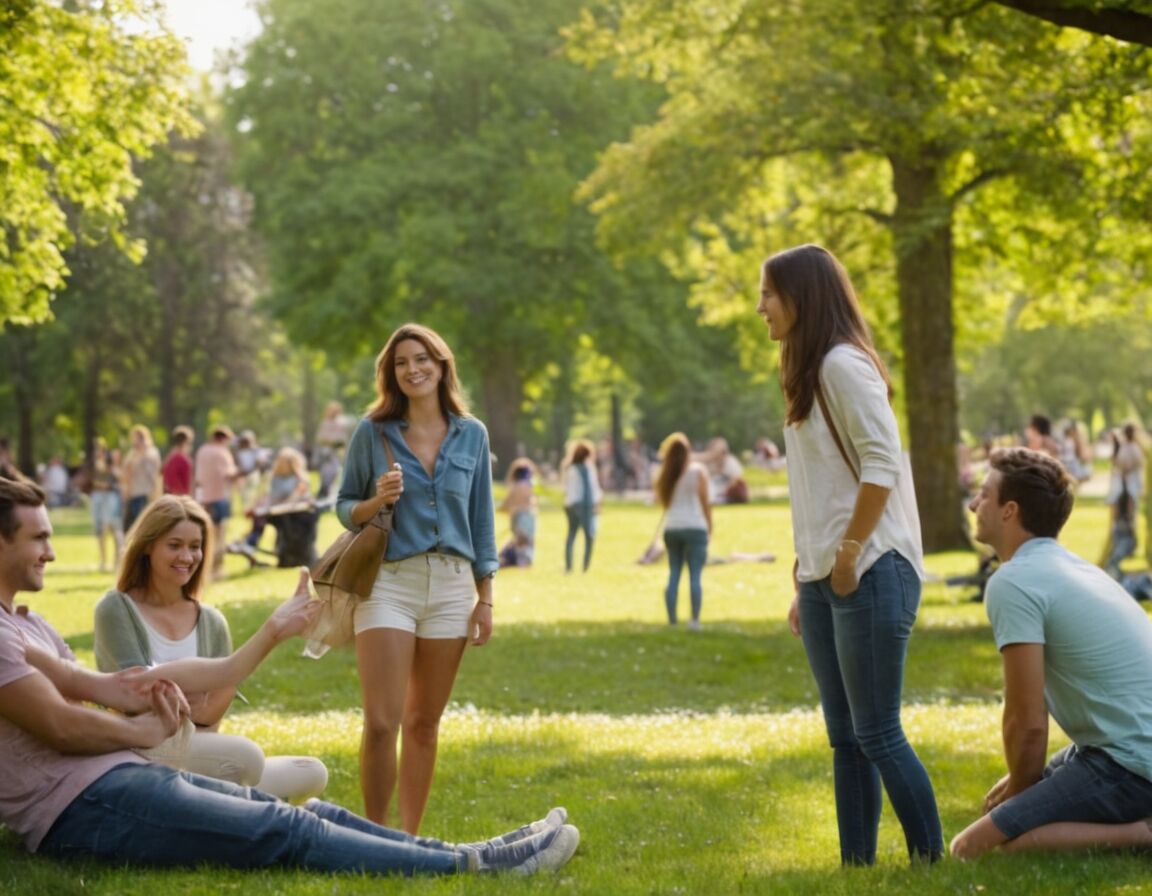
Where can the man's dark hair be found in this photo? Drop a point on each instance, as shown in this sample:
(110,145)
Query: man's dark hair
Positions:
(1039,485)
(16,493)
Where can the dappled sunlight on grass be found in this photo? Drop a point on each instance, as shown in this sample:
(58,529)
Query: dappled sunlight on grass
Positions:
(694,762)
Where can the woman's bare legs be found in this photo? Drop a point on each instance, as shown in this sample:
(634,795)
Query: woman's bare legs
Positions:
(384,657)
(433,672)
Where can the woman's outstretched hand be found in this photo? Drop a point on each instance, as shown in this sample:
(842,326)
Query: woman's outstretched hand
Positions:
(295,615)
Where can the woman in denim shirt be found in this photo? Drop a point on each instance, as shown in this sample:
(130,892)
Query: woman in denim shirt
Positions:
(434,591)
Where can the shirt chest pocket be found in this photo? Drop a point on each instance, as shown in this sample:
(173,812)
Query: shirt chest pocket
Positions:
(458,473)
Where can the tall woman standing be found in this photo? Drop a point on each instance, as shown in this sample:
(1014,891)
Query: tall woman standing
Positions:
(434,591)
(857,539)
(682,490)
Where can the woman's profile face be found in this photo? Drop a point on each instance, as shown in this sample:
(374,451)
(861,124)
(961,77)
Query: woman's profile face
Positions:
(777,315)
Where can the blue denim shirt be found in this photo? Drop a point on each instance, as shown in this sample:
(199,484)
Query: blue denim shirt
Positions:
(451,512)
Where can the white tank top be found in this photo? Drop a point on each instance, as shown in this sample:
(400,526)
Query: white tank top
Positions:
(685,510)
(164,650)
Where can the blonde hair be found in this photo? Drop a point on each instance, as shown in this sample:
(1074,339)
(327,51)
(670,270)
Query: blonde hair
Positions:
(290,462)
(157,520)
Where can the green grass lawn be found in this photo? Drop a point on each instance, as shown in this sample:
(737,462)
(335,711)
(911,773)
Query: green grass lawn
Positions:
(693,763)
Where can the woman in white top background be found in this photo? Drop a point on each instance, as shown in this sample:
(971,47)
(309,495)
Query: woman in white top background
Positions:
(582,497)
(858,552)
(682,490)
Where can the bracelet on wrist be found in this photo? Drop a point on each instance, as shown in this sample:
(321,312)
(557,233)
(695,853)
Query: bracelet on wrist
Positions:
(484,602)
(850,545)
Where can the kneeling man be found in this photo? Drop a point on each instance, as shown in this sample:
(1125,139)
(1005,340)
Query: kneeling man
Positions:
(1073,644)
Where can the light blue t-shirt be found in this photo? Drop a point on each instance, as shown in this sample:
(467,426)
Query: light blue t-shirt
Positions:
(1097,647)
(450,511)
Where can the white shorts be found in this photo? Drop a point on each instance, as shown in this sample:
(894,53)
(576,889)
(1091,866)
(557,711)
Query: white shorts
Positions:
(430,595)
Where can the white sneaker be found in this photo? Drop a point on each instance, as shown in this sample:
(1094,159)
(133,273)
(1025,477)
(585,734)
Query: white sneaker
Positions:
(693,625)
(545,851)
(557,846)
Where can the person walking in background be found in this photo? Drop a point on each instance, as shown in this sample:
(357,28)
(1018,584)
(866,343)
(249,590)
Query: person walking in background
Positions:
(859,559)
(582,497)
(176,473)
(682,490)
(140,479)
(520,505)
(154,616)
(433,594)
(105,502)
(1125,490)
(215,471)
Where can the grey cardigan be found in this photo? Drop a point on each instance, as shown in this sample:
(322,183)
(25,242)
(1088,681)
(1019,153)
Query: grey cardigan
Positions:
(120,639)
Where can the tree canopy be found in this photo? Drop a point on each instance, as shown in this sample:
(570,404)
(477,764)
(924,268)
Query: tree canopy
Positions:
(85,87)
(414,160)
(886,120)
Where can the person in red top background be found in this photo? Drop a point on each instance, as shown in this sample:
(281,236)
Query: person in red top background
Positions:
(177,469)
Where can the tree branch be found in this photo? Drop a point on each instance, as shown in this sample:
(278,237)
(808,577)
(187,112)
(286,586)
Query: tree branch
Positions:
(1122,24)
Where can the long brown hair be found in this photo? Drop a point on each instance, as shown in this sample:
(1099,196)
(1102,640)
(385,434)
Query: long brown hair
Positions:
(157,520)
(675,452)
(391,403)
(814,286)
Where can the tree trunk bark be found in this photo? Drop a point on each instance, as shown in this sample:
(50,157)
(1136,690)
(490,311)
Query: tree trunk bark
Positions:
(922,233)
(502,390)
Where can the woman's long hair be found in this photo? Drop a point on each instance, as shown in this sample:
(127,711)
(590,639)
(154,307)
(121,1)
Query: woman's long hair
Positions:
(814,286)
(157,520)
(391,403)
(580,451)
(675,452)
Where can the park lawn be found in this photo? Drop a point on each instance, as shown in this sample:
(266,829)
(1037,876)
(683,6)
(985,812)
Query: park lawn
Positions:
(693,763)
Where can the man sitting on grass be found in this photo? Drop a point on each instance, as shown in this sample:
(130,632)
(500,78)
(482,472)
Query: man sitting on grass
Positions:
(1075,644)
(72,786)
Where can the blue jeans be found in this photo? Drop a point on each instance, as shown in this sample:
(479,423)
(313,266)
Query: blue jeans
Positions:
(577,520)
(1081,785)
(856,647)
(149,814)
(685,546)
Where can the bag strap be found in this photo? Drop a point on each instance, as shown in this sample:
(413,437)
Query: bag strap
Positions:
(832,429)
(386,510)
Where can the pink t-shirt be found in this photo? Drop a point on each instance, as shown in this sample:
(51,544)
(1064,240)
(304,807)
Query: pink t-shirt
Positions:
(36,782)
(215,469)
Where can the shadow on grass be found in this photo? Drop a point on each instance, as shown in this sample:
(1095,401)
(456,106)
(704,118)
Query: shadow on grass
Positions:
(762,823)
(625,668)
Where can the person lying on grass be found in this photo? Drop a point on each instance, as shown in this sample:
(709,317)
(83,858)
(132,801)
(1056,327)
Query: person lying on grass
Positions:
(71,785)
(1074,644)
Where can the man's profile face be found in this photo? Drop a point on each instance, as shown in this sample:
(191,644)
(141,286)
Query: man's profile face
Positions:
(986,506)
(24,558)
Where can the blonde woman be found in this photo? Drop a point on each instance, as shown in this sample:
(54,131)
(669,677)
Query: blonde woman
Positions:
(141,474)
(154,616)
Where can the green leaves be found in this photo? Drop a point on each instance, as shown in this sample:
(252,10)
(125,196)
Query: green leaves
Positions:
(84,89)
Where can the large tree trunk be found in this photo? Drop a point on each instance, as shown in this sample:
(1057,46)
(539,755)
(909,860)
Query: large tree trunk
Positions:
(922,232)
(502,390)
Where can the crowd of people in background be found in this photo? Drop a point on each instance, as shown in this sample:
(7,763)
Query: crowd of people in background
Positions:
(421,459)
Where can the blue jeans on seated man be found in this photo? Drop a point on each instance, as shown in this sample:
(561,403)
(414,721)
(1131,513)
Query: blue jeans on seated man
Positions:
(150,814)
(856,647)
